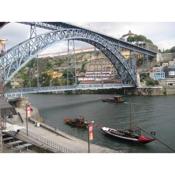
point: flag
(91, 133)
(29, 110)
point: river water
(151, 113)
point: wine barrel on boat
(115, 99)
(76, 122)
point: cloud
(16, 33)
(166, 44)
(161, 33)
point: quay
(54, 140)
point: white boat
(129, 135)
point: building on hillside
(172, 63)
(168, 82)
(55, 74)
(64, 53)
(169, 71)
(125, 36)
(141, 62)
(165, 57)
(100, 64)
(98, 70)
(143, 44)
(126, 53)
(157, 73)
(165, 64)
(2, 46)
(105, 77)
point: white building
(96, 76)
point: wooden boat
(128, 135)
(76, 122)
(115, 99)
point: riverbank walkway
(58, 141)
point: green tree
(83, 66)
(137, 38)
(151, 82)
(70, 74)
(45, 79)
(172, 50)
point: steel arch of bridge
(18, 56)
(118, 43)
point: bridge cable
(67, 63)
(75, 63)
(37, 62)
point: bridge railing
(67, 87)
(41, 88)
(21, 91)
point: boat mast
(131, 115)
(130, 118)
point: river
(150, 113)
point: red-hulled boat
(128, 135)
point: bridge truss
(18, 56)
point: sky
(161, 33)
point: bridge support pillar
(138, 79)
(146, 61)
(1, 85)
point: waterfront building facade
(98, 70)
(169, 71)
(157, 73)
(170, 82)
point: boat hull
(117, 134)
(77, 123)
(116, 99)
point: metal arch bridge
(17, 57)
(55, 89)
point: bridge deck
(22, 91)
